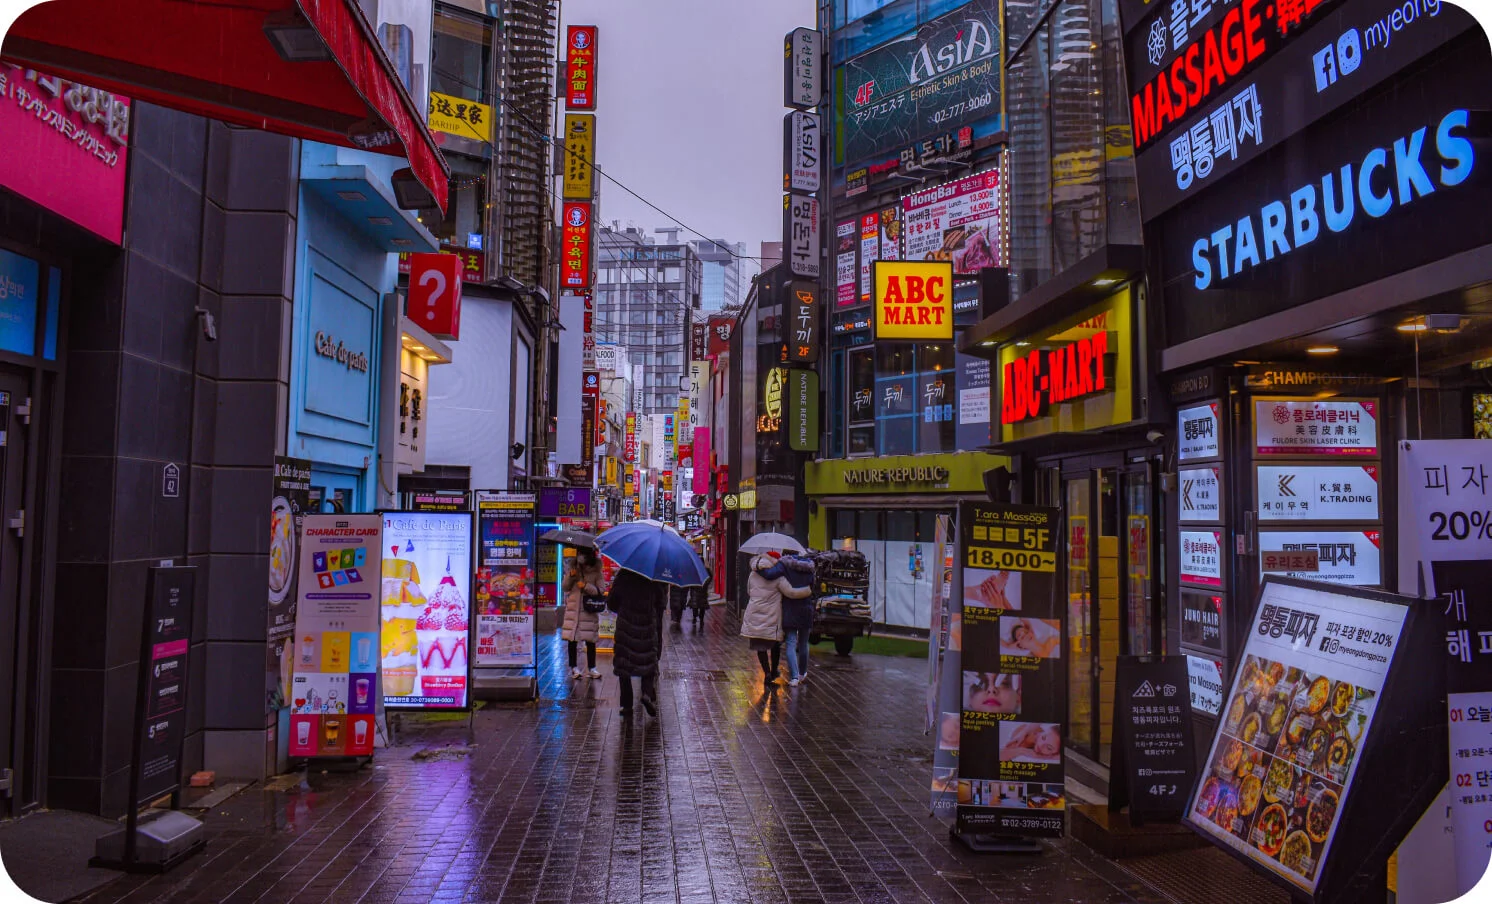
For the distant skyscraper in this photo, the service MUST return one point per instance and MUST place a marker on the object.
(725, 269)
(647, 296)
(771, 255)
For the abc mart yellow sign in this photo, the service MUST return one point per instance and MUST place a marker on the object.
(913, 299)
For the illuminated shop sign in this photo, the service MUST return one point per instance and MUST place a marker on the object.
(913, 300)
(1067, 372)
(1406, 169)
(1072, 376)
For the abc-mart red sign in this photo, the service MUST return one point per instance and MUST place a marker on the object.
(1047, 377)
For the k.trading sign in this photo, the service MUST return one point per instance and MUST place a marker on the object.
(580, 69)
(913, 299)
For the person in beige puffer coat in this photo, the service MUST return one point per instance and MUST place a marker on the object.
(761, 623)
(583, 578)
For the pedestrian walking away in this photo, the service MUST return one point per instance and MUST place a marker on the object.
(761, 623)
(584, 601)
(638, 604)
(678, 599)
(797, 615)
(699, 600)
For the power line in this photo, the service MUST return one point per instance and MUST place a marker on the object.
(545, 137)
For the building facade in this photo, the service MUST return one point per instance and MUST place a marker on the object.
(726, 273)
(647, 297)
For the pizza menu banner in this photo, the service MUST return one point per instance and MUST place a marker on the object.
(1301, 705)
(1445, 549)
(333, 694)
(1010, 759)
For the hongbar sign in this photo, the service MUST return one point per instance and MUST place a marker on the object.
(1073, 371)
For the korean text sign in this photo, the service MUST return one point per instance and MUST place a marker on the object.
(580, 156)
(1445, 549)
(425, 607)
(505, 580)
(1295, 721)
(580, 71)
(1009, 738)
(333, 696)
(575, 245)
(962, 222)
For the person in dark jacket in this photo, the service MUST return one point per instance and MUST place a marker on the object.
(797, 617)
(638, 604)
(678, 598)
(699, 600)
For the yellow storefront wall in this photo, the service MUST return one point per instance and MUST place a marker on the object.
(948, 473)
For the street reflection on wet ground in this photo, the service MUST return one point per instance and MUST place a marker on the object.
(736, 793)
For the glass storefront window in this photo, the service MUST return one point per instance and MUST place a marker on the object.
(896, 398)
(937, 399)
(1080, 626)
(1076, 132)
(1139, 529)
(860, 403)
(1027, 104)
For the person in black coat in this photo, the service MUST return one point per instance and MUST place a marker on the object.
(797, 617)
(699, 600)
(638, 604)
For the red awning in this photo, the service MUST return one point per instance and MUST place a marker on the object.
(223, 59)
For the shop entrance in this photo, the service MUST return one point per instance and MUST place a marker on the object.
(1109, 575)
(12, 505)
(898, 547)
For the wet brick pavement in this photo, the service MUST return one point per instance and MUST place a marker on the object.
(735, 794)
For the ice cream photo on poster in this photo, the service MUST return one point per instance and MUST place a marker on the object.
(992, 588)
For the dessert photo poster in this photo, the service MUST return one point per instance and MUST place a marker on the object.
(333, 694)
(425, 609)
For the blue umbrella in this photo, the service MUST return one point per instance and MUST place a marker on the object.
(654, 551)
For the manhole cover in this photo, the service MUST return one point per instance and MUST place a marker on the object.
(438, 754)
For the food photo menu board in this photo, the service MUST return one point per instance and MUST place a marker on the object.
(1295, 722)
(1010, 766)
(333, 693)
(505, 580)
(426, 617)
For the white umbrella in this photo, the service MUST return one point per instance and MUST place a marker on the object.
(772, 541)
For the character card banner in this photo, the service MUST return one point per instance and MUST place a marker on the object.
(1010, 774)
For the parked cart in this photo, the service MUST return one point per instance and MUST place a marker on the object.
(841, 610)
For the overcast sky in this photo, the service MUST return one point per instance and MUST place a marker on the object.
(689, 110)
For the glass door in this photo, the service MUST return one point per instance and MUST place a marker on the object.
(1082, 662)
(1141, 619)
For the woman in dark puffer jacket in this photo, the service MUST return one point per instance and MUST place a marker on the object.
(638, 604)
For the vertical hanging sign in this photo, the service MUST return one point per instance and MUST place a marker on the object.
(575, 245)
(580, 156)
(426, 616)
(333, 695)
(1010, 772)
(803, 68)
(580, 68)
(800, 234)
(801, 147)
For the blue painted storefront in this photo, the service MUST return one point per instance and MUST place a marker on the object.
(348, 233)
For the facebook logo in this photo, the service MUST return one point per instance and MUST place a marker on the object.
(1334, 61)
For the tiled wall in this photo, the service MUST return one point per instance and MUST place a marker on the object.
(210, 223)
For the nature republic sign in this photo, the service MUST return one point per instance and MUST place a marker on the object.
(913, 299)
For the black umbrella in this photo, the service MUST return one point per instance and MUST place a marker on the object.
(570, 537)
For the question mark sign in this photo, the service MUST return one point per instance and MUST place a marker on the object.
(439, 279)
